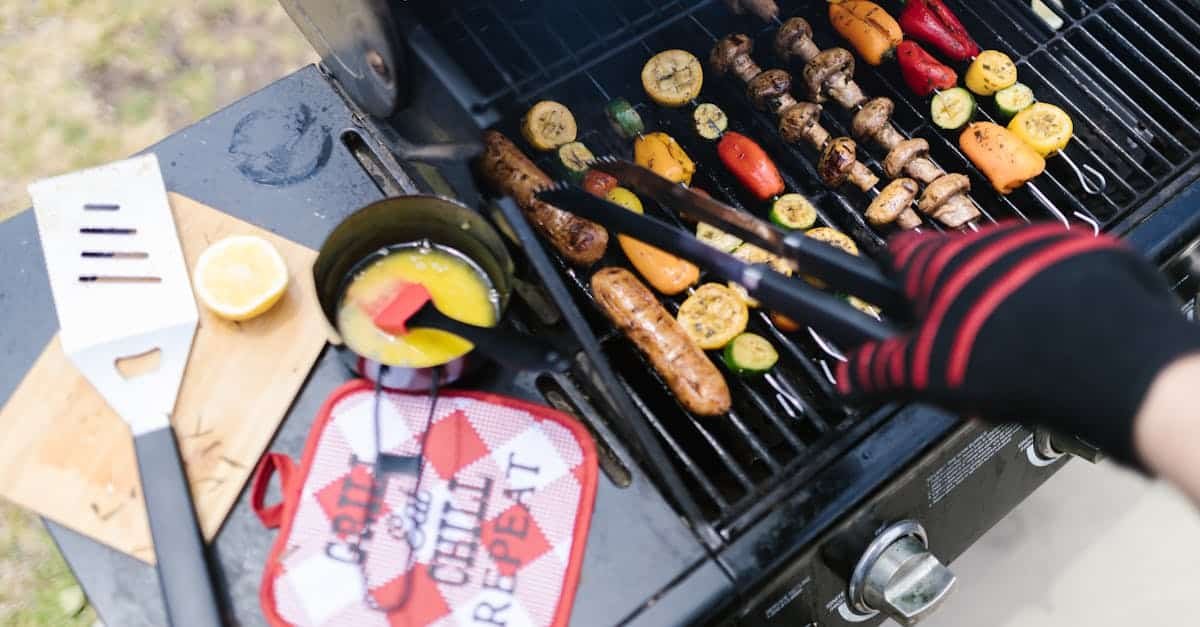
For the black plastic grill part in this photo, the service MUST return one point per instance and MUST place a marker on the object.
(1125, 71)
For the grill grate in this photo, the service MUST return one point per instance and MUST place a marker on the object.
(1119, 68)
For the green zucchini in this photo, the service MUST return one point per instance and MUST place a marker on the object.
(722, 241)
(952, 109)
(624, 118)
(711, 121)
(749, 354)
(793, 211)
(1014, 99)
(575, 159)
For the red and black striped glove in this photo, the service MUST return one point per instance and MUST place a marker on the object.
(1032, 324)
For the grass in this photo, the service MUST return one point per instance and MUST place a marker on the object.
(84, 82)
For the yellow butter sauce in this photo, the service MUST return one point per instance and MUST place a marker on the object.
(459, 289)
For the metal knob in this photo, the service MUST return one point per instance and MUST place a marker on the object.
(1051, 446)
(898, 576)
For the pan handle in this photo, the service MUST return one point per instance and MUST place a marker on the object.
(182, 566)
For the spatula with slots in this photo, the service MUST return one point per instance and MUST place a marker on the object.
(127, 318)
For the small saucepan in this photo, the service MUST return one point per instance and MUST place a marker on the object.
(403, 225)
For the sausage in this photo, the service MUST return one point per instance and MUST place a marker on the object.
(771, 90)
(732, 54)
(803, 121)
(512, 173)
(903, 154)
(794, 39)
(765, 10)
(688, 372)
(895, 199)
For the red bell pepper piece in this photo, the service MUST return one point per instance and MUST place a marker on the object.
(922, 72)
(598, 183)
(933, 23)
(750, 164)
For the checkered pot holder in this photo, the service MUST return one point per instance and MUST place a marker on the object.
(493, 535)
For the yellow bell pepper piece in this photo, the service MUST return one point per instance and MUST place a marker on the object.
(661, 154)
(1043, 127)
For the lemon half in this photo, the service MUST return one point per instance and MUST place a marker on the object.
(240, 277)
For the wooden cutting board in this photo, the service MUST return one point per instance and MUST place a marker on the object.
(67, 456)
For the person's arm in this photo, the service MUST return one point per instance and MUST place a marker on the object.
(1049, 327)
(1167, 427)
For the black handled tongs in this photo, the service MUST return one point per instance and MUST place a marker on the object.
(794, 298)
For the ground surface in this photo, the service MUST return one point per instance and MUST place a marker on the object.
(83, 82)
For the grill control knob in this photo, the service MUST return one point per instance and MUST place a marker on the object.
(898, 576)
(1051, 446)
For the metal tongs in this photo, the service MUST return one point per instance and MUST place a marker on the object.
(794, 298)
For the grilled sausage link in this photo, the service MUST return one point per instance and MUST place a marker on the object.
(690, 374)
(512, 173)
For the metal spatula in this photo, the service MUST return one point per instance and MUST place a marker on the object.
(125, 303)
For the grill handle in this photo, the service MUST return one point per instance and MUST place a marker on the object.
(794, 298)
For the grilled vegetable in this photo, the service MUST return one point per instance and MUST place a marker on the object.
(1043, 127)
(598, 183)
(952, 109)
(922, 73)
(717, 238)
(548, 125)
(893, 204)
(784, 323)
(868, 28)
(691, 375)
(575, 159)
(863, 306)
(751, 165)
(793, 211)
(664, 272)
(1002, 157)
(933, 23)
(749, 355)
(672, 78)
(1014, 99)
(624, 118)
(743, 294)
(713, 315)
(511, 172)
(990, 72)
(661, 154)
(834, 238)
(752, 254)
(711, 121)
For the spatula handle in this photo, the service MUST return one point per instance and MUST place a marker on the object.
(182, 568)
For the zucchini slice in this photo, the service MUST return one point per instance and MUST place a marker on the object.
(952, 109)
(743, 294)
(711, 121)
(1043, 127)
(575, 159)
(625, 198)
(793, 211)
(713, 315)
(1014, 99)
(750, 354)
(990, 72)
(863, 306)
(548, 125)
(624, 118)
(722, 241)
(672, 78)
(833, 237)
(752, 254)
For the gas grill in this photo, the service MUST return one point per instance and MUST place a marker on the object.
(773, 513)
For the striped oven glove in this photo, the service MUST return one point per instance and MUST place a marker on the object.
(1028, 323)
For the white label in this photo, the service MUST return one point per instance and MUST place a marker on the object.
(787, 598)
(964, 463)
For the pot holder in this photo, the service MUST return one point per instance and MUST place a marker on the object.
(494, 534)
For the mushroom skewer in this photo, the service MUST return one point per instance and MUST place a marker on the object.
(771, 90)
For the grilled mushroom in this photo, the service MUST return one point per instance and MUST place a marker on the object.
(894, 204)
(732, 54)
(771, 90)
(831, 74)
(924, 170)
(794, 39)
(765, 10)
(802, 121)
(839, 163)
(873, 122)
(902, 154)
(945, 199)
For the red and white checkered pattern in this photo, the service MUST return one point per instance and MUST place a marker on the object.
(509, 553)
